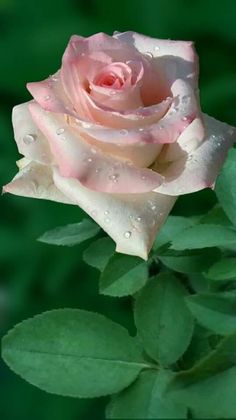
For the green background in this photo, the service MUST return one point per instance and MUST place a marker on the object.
(37, 277)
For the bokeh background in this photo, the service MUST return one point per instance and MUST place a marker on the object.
(37, 277)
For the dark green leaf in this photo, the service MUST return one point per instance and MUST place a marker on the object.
(224, 269)
(163, 320)
(73, 352)
(216, 312)
(99, 252)
(216, 216)
(144, 399)
(124, 275)
(225, 186)
(190, 261)
(205, 236)
(70, 235)
(172, 227)
(209, 387)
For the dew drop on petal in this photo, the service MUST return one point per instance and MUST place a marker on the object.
(106, 212)
(29, 138)
(47, 97)
(123, 132)
(107, 220)
(127, 234)
(114, 177)
(89, 160)
(156, 48)
(60, 131)
(148, 54)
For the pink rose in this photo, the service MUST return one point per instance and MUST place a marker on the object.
(118, 131)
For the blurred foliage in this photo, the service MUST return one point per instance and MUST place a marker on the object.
(35, 276)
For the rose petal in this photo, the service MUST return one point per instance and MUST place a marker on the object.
(200, 166)
(30, 141)
(90, 166)
(132, 221)
(35, 180)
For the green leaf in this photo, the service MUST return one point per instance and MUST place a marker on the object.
(209, 387)
(74, 353)
(99, 252)
(124, 275)
(172, 227)
(205, 236)
(190, 261)
(70, 235)
(216, 312)
(225, 186)
(225, 269)
(216, 216)
(163, 321)
(144, 399)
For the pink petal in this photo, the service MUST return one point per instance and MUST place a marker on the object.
(50, 95)
(94, 169)
(35, 180)
(132, 220)
(199, 167)
(30, 141)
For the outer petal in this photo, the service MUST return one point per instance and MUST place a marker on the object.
(93, 168)
(35, 180)
(131, 220)
(30, 141)
(50, 95)
(199, 167)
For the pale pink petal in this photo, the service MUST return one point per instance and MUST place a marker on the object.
(131, 220)
(29, 139)
(124, 93)
(50, 95)
(106, 116)
(199, 167)
(35, 180)
(141, 154)
(93, 168)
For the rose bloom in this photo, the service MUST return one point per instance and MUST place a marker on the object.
(118, 131)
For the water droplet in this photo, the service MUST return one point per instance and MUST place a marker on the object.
(106, 212)
(153, 207)
(47, 97)
(94, 151)
(161, 127)
(60, 131)
(143, 177)
(116, 32)
(184, 118)
(29, 138)
(148, 54)
(54, 78)
(114, 177)
(90, 160)
(107, 219)
(127, 234)
(161, 214)
(213, 136)
(86, 124)
(123, 132)
(141, 129)
(156, 48)
(98, 170)
(138, 219)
